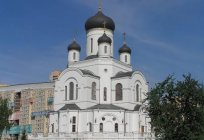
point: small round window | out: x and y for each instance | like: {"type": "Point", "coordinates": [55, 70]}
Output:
{"type": "Point", "coordinates": [114, 118]}
{"type": "Point", "coordinates": [103, 118]}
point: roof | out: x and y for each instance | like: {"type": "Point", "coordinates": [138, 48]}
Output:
{"type": "Point", "coordinates": [137, 107]}
{"type": "Point", "coordinates": [88, 72]}
{"type": "Point", "coordinates": [70, 107]}
{"type": "Point", "coordinates": [124, 48]}
{"type": "Point", "coordinates": [123, 74]}
{"type": "Point", "coordinates": [106, 106]}
{"type": "Point", "coordinates": [74, 46]}
{"type": "Point", "coordinates": [104, 38]}
{"type": "Point", "coordinates": [98, 20]}
{"type": "Point", "coordinates": [91, 57]}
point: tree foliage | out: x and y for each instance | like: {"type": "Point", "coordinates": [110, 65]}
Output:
{"type": "Point", "coordinates": [176, 109]}
{"type": "Point", "coordinates": [4, 115]}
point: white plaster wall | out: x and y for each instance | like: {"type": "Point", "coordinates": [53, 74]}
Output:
{"type": "Point", "coordinates": [71, 56]}
{"type": "Point", "coordinates": [95, 34]}
{"type": "Point", "coordinates": [53, 120]}
{"type": "Point", "coordinates": [122, 58]}
{"type": "Point", "coordinates": [93, 65]}
{"type": "Point", "coordinates": [102, 48]}
{"type": "Point", "coordinates": [84, 89]}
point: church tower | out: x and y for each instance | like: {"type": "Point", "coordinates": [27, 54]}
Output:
{"type": "Point", "coordinates": [73, 52]}
{"type": "Point", "coordinates": [95, 29]}
{"type": "Point", "coordinates": [125, 52]}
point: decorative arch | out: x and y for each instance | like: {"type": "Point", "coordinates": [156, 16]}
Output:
{"type": "Point", "coordinates": [118, 92]}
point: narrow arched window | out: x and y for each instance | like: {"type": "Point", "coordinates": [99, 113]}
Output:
{"type": "Point", "coordinates": [76, 91]}
{"type": "Point", "coordinates": [71, 91]}
{"type": "Point", "coordinates": [105, 49]}
{"type": "Point", "coordinates": [90, 127]}
{"type": "Point", "coordinates": [74, 55]}
{"type": "Point", "coordinates": [91, 45]}
{"type": "Point", "coordinates": [52, 127]}
{"type": "Point", "coordinates": [101, 127]}
{"type": "Point", "coordinates": [65, 92]}
{"type": "Point", "coordinates": [125, 58]}
{"type": "Point", "coordinates": [119, 92]}
{"type": "Point", "coordinates": [137, 93]}
{"type": "Point", "coordinates": [93, 91]}
{"type": "Point", "coordinates": [105, 94]}
{"type": "Point", "coordinates": [74, 124]}
{"type": "Point", "coordinates": [116, 127]}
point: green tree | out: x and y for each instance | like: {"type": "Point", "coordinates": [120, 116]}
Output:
{"type": "Point", "coordinates": [176, 109]}
{"type": "Point", "coordinates": [4, 115]}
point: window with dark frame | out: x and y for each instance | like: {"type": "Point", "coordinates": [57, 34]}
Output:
{"type": "Point", "coordinates": [91, 45]}
{"type": "Point", "coordinates": [119, 92]}
{"type": "Point", "coordinates": [101, 127]}
{"type": "Point", "coordinates": [74, 55]}
{"type": "Point", "coordinates": [65, 92]}
{"type": "Point", "coordinates": [116, 127]}
{"type": "Point", "coordinates": [105, 49]}
{"type": "Point", "coordinates": [93, 91]}
{"type": "Point", "coordinates": [71, 91]}
{"type": "Point", "coordinates": [105, 94]}
{"type": "Point", "coordinates": [137, 93]}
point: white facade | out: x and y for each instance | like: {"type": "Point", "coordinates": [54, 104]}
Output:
{"type": "Point", "coordinates": [73, 56]}
{"type": "Point", "coordinates": [99, 97]}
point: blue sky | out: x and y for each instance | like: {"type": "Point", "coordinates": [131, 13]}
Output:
{"type": "Point", "coordinates": [166, 36]}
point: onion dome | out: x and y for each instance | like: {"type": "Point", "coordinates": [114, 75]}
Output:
{"type": "Point", "coordinates": [125, 48]}
{"type": "Point", "coordinates": [98, 20]}
{"type": "Point", "coordinates": [74, 46]}
{"type": "Point", "coordinates": [104, 38]}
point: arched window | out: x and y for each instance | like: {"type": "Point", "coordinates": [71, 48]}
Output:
{"type": "Point", "coordinates": [91, 45]}
{"type": "Point", "coordinates": [74, 55]}
{"type": "Point", "coordinates": [93, 91]}
{"type": "Point", "coordinates": [101, 127]}
{"type": "Point", "coordinates": [71, 91]}
{"type": "Point", "coordinates": [105, 94]}
{"type": "Point", "coordinates": [125, 58]}
{"type": "Point", "coordinates": [76, 91]}
{"type": "Point", "coordinates": [90, 127]}
{"type": "Point", "coordinates": [116, 127]}
{"type": "Point", "coordinates": [52, 127]}
{"type": "Point", "coordinates": [137, 93]}
{"type": "Point", "coordinates": [119, 92]}
{"type": "Point", "coordinates": [105, 49]}
{"type": "Point", "coordinates": [65, 92]}
{"type": "Point", "coordinates": [74, 124]}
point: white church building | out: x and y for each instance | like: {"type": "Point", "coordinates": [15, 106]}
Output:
{"type": "Point", "coordinates": [99, 97]}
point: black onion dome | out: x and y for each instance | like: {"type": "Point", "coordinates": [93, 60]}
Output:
{"type": "Point", "coordinates": [125, 48]}
{"type": "Point", "coordinates": [98, 21]}
{"type": "Point", "coordinates": [104, 38]}
{"type": "Point", "coordinates": [74, 46]}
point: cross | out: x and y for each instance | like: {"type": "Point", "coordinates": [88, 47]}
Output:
{"type": "Point", "coordinates": [74, 35]}
{"type": "Point", "coordinates": [104, 24]}
{"type": "Point", "coordinates": [99, 5]}
{"type": "Point", "coordinates": [124, 37]}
